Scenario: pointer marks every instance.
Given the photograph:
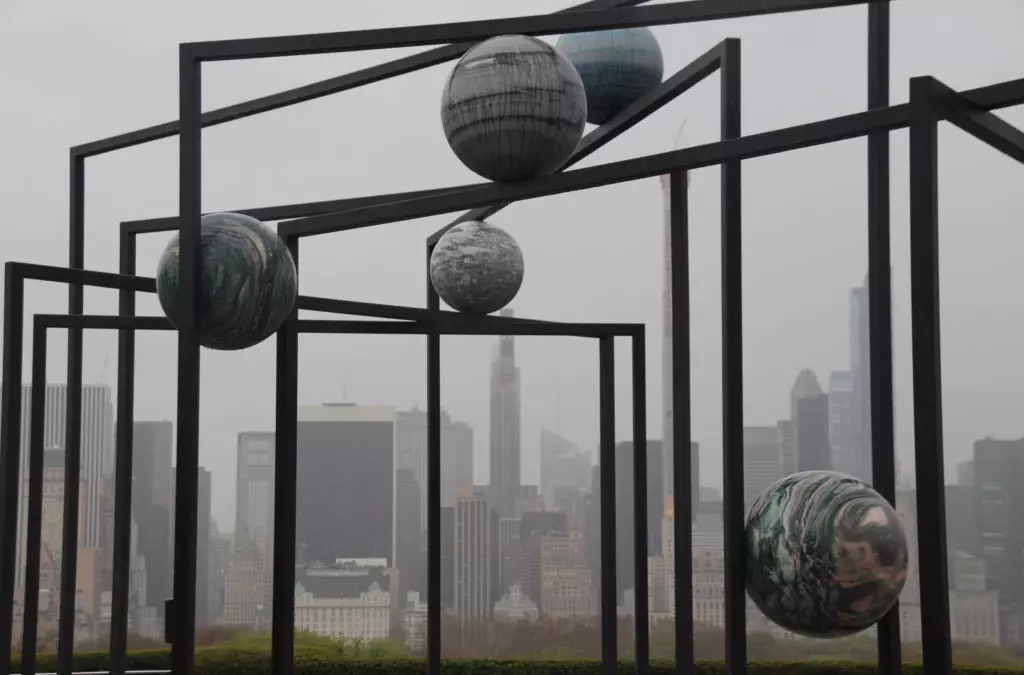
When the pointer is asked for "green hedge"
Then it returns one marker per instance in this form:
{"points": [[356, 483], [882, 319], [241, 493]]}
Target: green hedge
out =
{"points": [[313, 661]]}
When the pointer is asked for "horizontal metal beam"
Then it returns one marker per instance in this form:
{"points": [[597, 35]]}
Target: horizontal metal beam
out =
{"points": [[695, 157], [452, 324], [687, 78], [582, 21], [980, 123], [101, 322], [63, 275], [308, 92]]}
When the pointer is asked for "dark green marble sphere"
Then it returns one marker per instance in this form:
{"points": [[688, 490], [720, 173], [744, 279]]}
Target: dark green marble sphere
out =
{"points": [[248, 282], [826, 554]]}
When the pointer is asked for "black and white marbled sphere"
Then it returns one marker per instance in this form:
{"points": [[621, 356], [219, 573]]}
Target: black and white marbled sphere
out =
{"points": [[826, 554], [513, 108], [248, 282], [476, 268]]}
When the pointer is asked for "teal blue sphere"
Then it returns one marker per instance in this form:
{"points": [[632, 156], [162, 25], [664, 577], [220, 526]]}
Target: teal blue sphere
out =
{"points": [[248, 282], [617, 67]]}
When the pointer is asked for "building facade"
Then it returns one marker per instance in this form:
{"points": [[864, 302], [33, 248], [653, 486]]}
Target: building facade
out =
{"points": [[566, 591], [505, 451], [762, 461]]}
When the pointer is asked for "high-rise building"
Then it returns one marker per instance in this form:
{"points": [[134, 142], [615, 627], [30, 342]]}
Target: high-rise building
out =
{"points": [[220, 566], [346, 482], [152, 508], [844, 425], [510, 564], [860, 381], [448, 557], [695, 489], [810, 417], [563, 467], [456, 456], [476, 533], [565, 583], [410, 554], [204, 518], [533, 527], [624, 563], [787, 439], [762, 461], [505, 426], [965, 473], [999, 484], [254, 512], [97, 455]]}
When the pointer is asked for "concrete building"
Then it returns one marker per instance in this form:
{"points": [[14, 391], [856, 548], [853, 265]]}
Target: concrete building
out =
{"points": [[514, 607], [566, 592], [456, 456], [346, 482], [152, 507], [363, 618], [844, 425], [505, 450], [859, 463], [809, 407], [787, 439], [475, 573], [414, 623], [624, 512], [564, 468], [762, 461]]}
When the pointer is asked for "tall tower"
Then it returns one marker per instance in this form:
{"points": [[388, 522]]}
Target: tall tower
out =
{"points": [[809, 406], [153, 509], [860, 381], [475, 562], [505, 426]]}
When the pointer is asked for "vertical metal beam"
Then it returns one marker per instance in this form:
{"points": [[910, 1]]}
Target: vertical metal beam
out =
{"points": [[433, 484], [640, 612], [732, 372], [123, 471], [187, 475], [682, 469], [34, 517], [609, 609], [927, 362], [10, 452], [883, 459], [285, 488]]}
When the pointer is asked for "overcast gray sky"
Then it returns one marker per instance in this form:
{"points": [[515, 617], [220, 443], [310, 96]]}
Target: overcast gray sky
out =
{"points": [[75, 72]]}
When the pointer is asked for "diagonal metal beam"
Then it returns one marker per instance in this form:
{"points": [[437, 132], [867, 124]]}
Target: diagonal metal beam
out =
{"points": [[690, 11], [309, 92], [984, 125], [685, 79]]}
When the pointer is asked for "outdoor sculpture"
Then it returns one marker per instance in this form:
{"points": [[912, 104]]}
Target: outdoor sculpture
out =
{"points": [[249, 282], [476, 268], [826, 554], [617, 67], [513, 109]]}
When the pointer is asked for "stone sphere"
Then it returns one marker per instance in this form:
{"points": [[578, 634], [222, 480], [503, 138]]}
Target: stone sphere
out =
{"points": [[476, 268], [513, 109], [617, 67], [826, 554], [248, 282]]}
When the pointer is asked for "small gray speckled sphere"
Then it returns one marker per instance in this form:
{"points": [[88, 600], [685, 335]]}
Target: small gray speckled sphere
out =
{"points": [[513, 109], [826, 554], [248, 282], [476, 268], [617, 67]]}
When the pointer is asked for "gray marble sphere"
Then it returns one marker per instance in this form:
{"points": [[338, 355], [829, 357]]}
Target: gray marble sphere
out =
{"points": [[248, 282], [826, 554], [617, 67], [476, 268], [513, 109]]}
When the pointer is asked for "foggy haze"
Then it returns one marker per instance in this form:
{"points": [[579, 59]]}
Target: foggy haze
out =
{"points": [[77, 72]]}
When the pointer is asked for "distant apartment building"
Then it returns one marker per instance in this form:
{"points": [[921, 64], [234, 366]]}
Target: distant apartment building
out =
{"points": [[566, 591], [762, 461], [363, 618]]}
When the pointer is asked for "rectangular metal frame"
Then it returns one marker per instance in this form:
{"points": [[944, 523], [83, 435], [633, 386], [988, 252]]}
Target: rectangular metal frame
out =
{"points": [[930, 103]]}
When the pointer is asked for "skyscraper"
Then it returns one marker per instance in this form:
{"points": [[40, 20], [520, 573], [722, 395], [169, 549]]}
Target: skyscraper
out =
{"points": [[204, 488], [505, 426], [860, 381], [844, 426], [254, 505], [476, 533], [810, 418], [153, 449], [762, 461], [670, 463], [456, 456], [97, 454], [999, 489], [625, 568], [346, 482], [562, 465], [410, 554]]}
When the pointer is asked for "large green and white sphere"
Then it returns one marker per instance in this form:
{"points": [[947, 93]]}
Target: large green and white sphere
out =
{"points": [[826, 554], [248, 282], [617, 67]]}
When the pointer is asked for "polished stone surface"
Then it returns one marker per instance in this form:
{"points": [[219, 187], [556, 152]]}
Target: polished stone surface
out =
{"points": [[248, 282], [826, 554], [513, 109], [476, 268], [617, 67]]}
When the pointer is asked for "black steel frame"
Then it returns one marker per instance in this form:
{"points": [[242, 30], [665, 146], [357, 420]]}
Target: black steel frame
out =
{"points": [[930, 103]]}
